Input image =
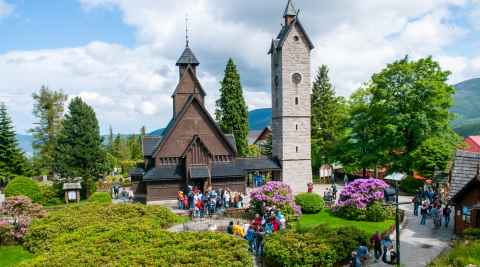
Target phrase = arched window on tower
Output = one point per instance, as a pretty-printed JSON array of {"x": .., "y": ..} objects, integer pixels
[
  {"x": 296, "y": 127},
  {"x": 296, "y": 149},
  {"x": 296, "y": 100}
]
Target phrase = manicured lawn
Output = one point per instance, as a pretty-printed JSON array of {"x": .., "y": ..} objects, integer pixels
[
  {"x": 13, "y": 255},
  {"x": 307, "y": 221}
]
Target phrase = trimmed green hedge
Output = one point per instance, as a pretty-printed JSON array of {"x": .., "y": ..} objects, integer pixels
[
  {"x": 95, "y": 234},
  {"x": 23, "y": 186},
  {"x": 320, "y": 246},
  {"x": 472, "y": 233},
  {"x": 310, "y": 202},
  {"x": 100, "y": 197}
]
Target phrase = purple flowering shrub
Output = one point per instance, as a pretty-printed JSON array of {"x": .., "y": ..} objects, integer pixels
[
  {"x": 16, "y": 214},
  {"x": 274, "y": 194},
  {"x": 358, "y": 196}
]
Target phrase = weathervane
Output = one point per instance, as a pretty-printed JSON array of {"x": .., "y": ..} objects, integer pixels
[{"x": 186, "y": 29}]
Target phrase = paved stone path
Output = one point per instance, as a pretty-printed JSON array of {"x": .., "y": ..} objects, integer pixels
[{"x": 419, "y": 244}]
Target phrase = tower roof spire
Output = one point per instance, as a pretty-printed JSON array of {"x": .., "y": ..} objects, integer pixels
[
  {"x": 187, "y": 57},
  {"x": 186, "y": 30},
  {"x": 290, "y": 9}
]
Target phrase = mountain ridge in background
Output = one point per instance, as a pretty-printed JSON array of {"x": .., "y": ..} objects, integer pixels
[{"x": 466, "y": 107}]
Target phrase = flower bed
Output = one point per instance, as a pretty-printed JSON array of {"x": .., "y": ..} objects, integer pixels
[
  {"x": 362, "y": 200},
  {"x": 274, "y": 194}
]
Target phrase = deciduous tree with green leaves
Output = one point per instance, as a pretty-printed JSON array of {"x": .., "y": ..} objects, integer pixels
[
  {"x": 48, "y": 108},
  {"x": 407, "y": 114},
  {"x": 12, "y": 159},
  {"x": 231, "y": 110},
  {"x": 329, "y": 115},
  {"x": 79, "y": 151}
]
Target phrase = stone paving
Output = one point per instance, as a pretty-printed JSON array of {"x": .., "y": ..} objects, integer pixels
[{"x": 419, "y": 244}]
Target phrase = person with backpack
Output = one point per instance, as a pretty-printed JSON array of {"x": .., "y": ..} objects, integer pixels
[{"x": 250, "y": 237}]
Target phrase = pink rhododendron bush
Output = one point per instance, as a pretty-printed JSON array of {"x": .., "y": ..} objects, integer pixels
[
  {"x": 16, "y": 214},
  {"x": 274, "y": 195},
  {"x": 362, "y": 199}
]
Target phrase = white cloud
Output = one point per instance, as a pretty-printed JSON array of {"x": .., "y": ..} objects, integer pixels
[
  {"x": 5, "y": 8},
  {"x": 131, "y": 87}
]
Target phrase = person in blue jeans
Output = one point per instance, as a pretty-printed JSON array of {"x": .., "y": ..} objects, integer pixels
[
  {"x": 424, "y": 213},
  {"x": 446, "y": 214}
]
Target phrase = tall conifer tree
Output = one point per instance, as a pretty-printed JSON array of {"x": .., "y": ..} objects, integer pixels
[
  {"x": 231, "y": 109},
  {"x": 79, "y": 150},
  {"x": 328, "y": 119},
  {"x": 48, "y": 108},
  {"x": 12, "y": 160}
]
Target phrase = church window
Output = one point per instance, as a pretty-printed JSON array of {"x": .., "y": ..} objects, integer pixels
[
  {"x": 296, "y": 149},
  {"x": 296, "y": 78},
  {"x": 296, "y": 127},
  {"x": 296, "y": 100},
  {"x": 296, "y": 38},
  {"x": 276, "y": 81}
]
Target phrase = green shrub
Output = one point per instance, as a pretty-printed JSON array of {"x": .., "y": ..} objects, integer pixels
[
  {"x": 49, "y": 195},
  {"x": 350, "y": 213},
  {"x": 23, "y": 186},
  {"x": 310, "y": 202},
  {"x": 295, "y": 249},
  {"x": 319, "y": 246},
  {"x": 100, "y": 197},
  {"x": 127, "y": 235},
  {"x": 343, "y": 240},
  {"x": 463, "y": 254},
  {"x": 376, "y": 212},
  {"x": 472, "y": 233},
  {"x": 410, "y": 185},
  {"x": 74, "y": 217}
]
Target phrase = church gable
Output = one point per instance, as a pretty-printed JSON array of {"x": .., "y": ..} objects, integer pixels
[
  {"x": 194, "y": 120},
  {"x": 197, "y": 153},
  {"x": 189, "y": 84}
]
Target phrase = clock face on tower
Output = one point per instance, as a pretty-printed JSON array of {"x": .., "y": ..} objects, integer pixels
[{"x": 296, "y": 78}]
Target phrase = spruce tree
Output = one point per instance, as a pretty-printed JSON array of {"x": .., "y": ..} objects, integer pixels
[
  {"x": 328, "y": 119},
  {"x": 110, "y": 140},
  {"x": 231, "y": 110},
  {"x": 48, "y": 108},
  {"x": 79, "y": 151},
  {"x": 12, "y": 159},
  {"x": 135, "y": 147}
]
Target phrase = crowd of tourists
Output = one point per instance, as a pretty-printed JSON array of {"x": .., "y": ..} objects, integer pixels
[
  {"x": 272, "y": 221},
  {"x": 209, "y": 202},
  {"x": 429, "y": 204},
  {"x": 382, "y": 249}
]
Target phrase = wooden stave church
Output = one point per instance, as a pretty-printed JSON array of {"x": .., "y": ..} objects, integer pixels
[{"x": 192, "y": 150}]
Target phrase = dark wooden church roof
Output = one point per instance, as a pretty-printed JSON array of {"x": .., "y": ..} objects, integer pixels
[
  {"x": 465, "y": 169},
  {"x": 187, "y": 58}
]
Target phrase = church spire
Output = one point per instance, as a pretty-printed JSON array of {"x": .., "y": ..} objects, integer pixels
[
  {"x": 290, "y": 13},
  {"x": 289, "y": 10}
]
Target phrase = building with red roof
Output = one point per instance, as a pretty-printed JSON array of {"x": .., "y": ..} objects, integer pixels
[{"x": 472, "y": 143}]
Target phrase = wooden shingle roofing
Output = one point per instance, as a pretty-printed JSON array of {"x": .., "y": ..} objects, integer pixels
[{"x": 465, "y": 170}]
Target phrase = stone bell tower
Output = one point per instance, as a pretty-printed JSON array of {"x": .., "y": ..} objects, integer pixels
[{"x": 291, "y": 92}]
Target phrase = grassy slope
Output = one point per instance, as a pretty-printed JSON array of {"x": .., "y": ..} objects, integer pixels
[
  {"x": 461, "y": 255},
  {"x": 13, "y": 255},
  {"x": 325, "y": 217}
]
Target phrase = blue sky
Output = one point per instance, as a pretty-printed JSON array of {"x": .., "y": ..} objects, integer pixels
[
  {"x": 119, "y": 55},
  {"x": 61, "y": 23}
]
